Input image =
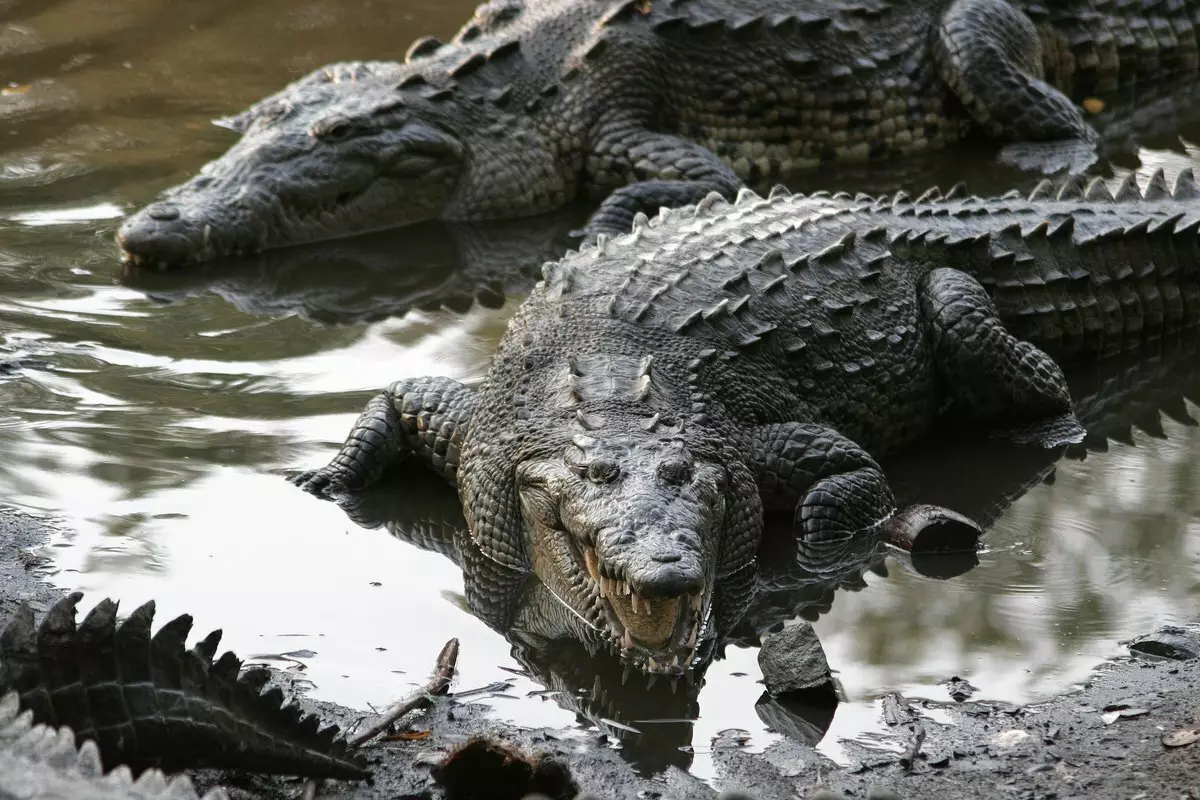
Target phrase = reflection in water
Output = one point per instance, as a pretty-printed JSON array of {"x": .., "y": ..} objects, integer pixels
[
  {"x": 653, "y": 718},
  {"x": 158, "y": 431},
  {"x": 372, "y": 277}
]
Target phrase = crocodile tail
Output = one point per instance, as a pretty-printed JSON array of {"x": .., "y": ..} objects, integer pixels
[
  {"x": 148, "y": 701},
  {"x": 39, "y": 761}
]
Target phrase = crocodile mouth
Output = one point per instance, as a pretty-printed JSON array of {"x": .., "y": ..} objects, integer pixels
[
  {"x": 659, "y": 635},
  {"x": 169, "y": 234}
]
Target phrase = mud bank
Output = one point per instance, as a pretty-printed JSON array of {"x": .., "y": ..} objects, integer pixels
[{"x": 1105, "y": 740}]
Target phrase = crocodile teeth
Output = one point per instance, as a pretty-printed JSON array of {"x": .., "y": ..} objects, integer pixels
[
  {"x": 592, "y": 563},
  {"x": 692, "y": 639},
  {"x": 697, "y": 602},
  {"x": 627, "y": 641},
  {"x": 633, "y": 600},
  {"x": 673, "y": 663}
]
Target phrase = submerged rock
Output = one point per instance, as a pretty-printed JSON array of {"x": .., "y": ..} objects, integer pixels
[{"x": 1169, "y": 641}]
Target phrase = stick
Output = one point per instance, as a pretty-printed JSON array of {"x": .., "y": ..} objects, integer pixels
[{"x": 439, "y": 682}]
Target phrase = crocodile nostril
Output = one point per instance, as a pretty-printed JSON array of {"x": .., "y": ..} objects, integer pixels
[
  {"x": 666, "y": 558},
  {"x": 163, "y": 213}
]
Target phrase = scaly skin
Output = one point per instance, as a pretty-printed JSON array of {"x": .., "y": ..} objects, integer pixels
[
  {"x": 646, "y": 104},
  {"x": 655, "y": 393},
  {"x": 147, "y": 702},
  {"x": 44, "y": 763},
  {"x": 793, "y": 579}
]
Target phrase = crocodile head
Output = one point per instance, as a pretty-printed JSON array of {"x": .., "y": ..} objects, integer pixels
[
  {"x": 626, "y": 530},
  {"x": 319, "y": 160}
]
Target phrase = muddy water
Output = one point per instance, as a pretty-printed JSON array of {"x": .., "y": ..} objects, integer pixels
[{"x": 155, "y": 420}]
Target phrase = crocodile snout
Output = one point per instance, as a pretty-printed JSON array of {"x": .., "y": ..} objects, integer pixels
[{"x": 160, "y": 235}]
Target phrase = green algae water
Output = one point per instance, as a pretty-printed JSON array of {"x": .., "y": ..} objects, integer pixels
[{"x": 153, "y": 418}]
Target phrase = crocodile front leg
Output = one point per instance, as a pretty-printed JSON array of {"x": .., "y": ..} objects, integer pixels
[
  {"x": 989, "y": 374},
  {"x": 668, "y": 171},
  {"x": 422, "y": 417},
  {"x": 988, "y": 52},
  {"x": 835, "y": 486}
]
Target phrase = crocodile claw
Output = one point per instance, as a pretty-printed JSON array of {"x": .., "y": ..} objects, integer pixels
[{"x": 319, "y": 482}]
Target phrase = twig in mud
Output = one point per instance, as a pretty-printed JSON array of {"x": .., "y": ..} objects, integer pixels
[
  {"x": 909, "y": 759},
  {"x": 439, "y": 682}
]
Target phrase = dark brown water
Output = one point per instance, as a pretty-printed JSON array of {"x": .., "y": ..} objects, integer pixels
[{"x": 165, "y": 411}]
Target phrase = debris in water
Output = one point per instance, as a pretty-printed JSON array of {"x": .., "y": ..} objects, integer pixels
[
  {"x": 1168, "y": 642},
  {"x": 959, "y": 688}
]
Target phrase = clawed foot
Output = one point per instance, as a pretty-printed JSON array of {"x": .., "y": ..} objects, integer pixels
[
  {"x": 1049, "y": 434},
  {"x": 323, "y": 483},
  {"x": 1073, "y": 156}
]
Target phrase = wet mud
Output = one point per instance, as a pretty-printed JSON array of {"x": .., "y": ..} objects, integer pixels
[{"x": 1129, "y": 731}]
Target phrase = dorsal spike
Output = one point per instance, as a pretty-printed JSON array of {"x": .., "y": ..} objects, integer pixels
[
  {"x": 640, "y": 221},
  {"x": 770, "y": 259},
  {"x": 1128, "y": 190},
  {"x": 1012, "y": 194},
  {"x": 1043, "y": 191},
  {"x": 1185, "y": 185},
  {"x": 746, "y": 195},
  {"x": 1072, "y": 188},
  {"x": 206, "y": 648},
  {"x": 957, "y": 192},
  {"x": 1157, "y": 189},
  {"x": 423, "y": 48},
  {"x": 601, "y": 245},
  {"x": 779, "y": 190},
  {"x": 900, "y": 198},
  {"x": 506, "y": 49},
  {"x": 99, "y": 626},
  {"x": 1065, "y": 227},
  {"x": 709, "y": 202},
  {"x": 1097, "y": 192},
  {"x": 584, "y": 421},
  {"x": 931, "y": 195}
]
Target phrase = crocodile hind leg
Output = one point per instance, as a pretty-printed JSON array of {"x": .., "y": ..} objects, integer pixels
[
  {"x": 668, "y": 171},
  {"x": 422, "y": 417},
  {"x": 837, "y": 491},
  {"x": 988, "y": 373},
  {"x": 988, "y": 52}
]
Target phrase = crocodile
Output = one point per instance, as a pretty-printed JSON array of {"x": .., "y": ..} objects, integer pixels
[
  {"x": 647, "y": 103},
  {"x": 657, "y": 392},
  {"x": 143, "y": 702}
]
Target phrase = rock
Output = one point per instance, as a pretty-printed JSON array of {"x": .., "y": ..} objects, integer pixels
[
  {"x": 880, "y": 793},
  {"x": 959, "y": 689},
  {"x": 801, "y": 716},
  {"x": 485, "y": 768},
  {"x": 1170, "y": 642},
  {"x": 793, "y": 660}
]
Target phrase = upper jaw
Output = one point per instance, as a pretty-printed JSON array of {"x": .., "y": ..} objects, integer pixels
[{"x": 660, "y": 635}]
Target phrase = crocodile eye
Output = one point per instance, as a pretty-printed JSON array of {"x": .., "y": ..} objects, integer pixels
[
  {"x": 602, "y": 470},
  {"x": 334, "y": 131},
  {"x": 675, "y": 470}
]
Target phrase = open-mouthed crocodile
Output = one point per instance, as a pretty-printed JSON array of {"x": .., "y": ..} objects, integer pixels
[
  {"x": 648, "y": 103},
  {"x": 655, "y": 393}
]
